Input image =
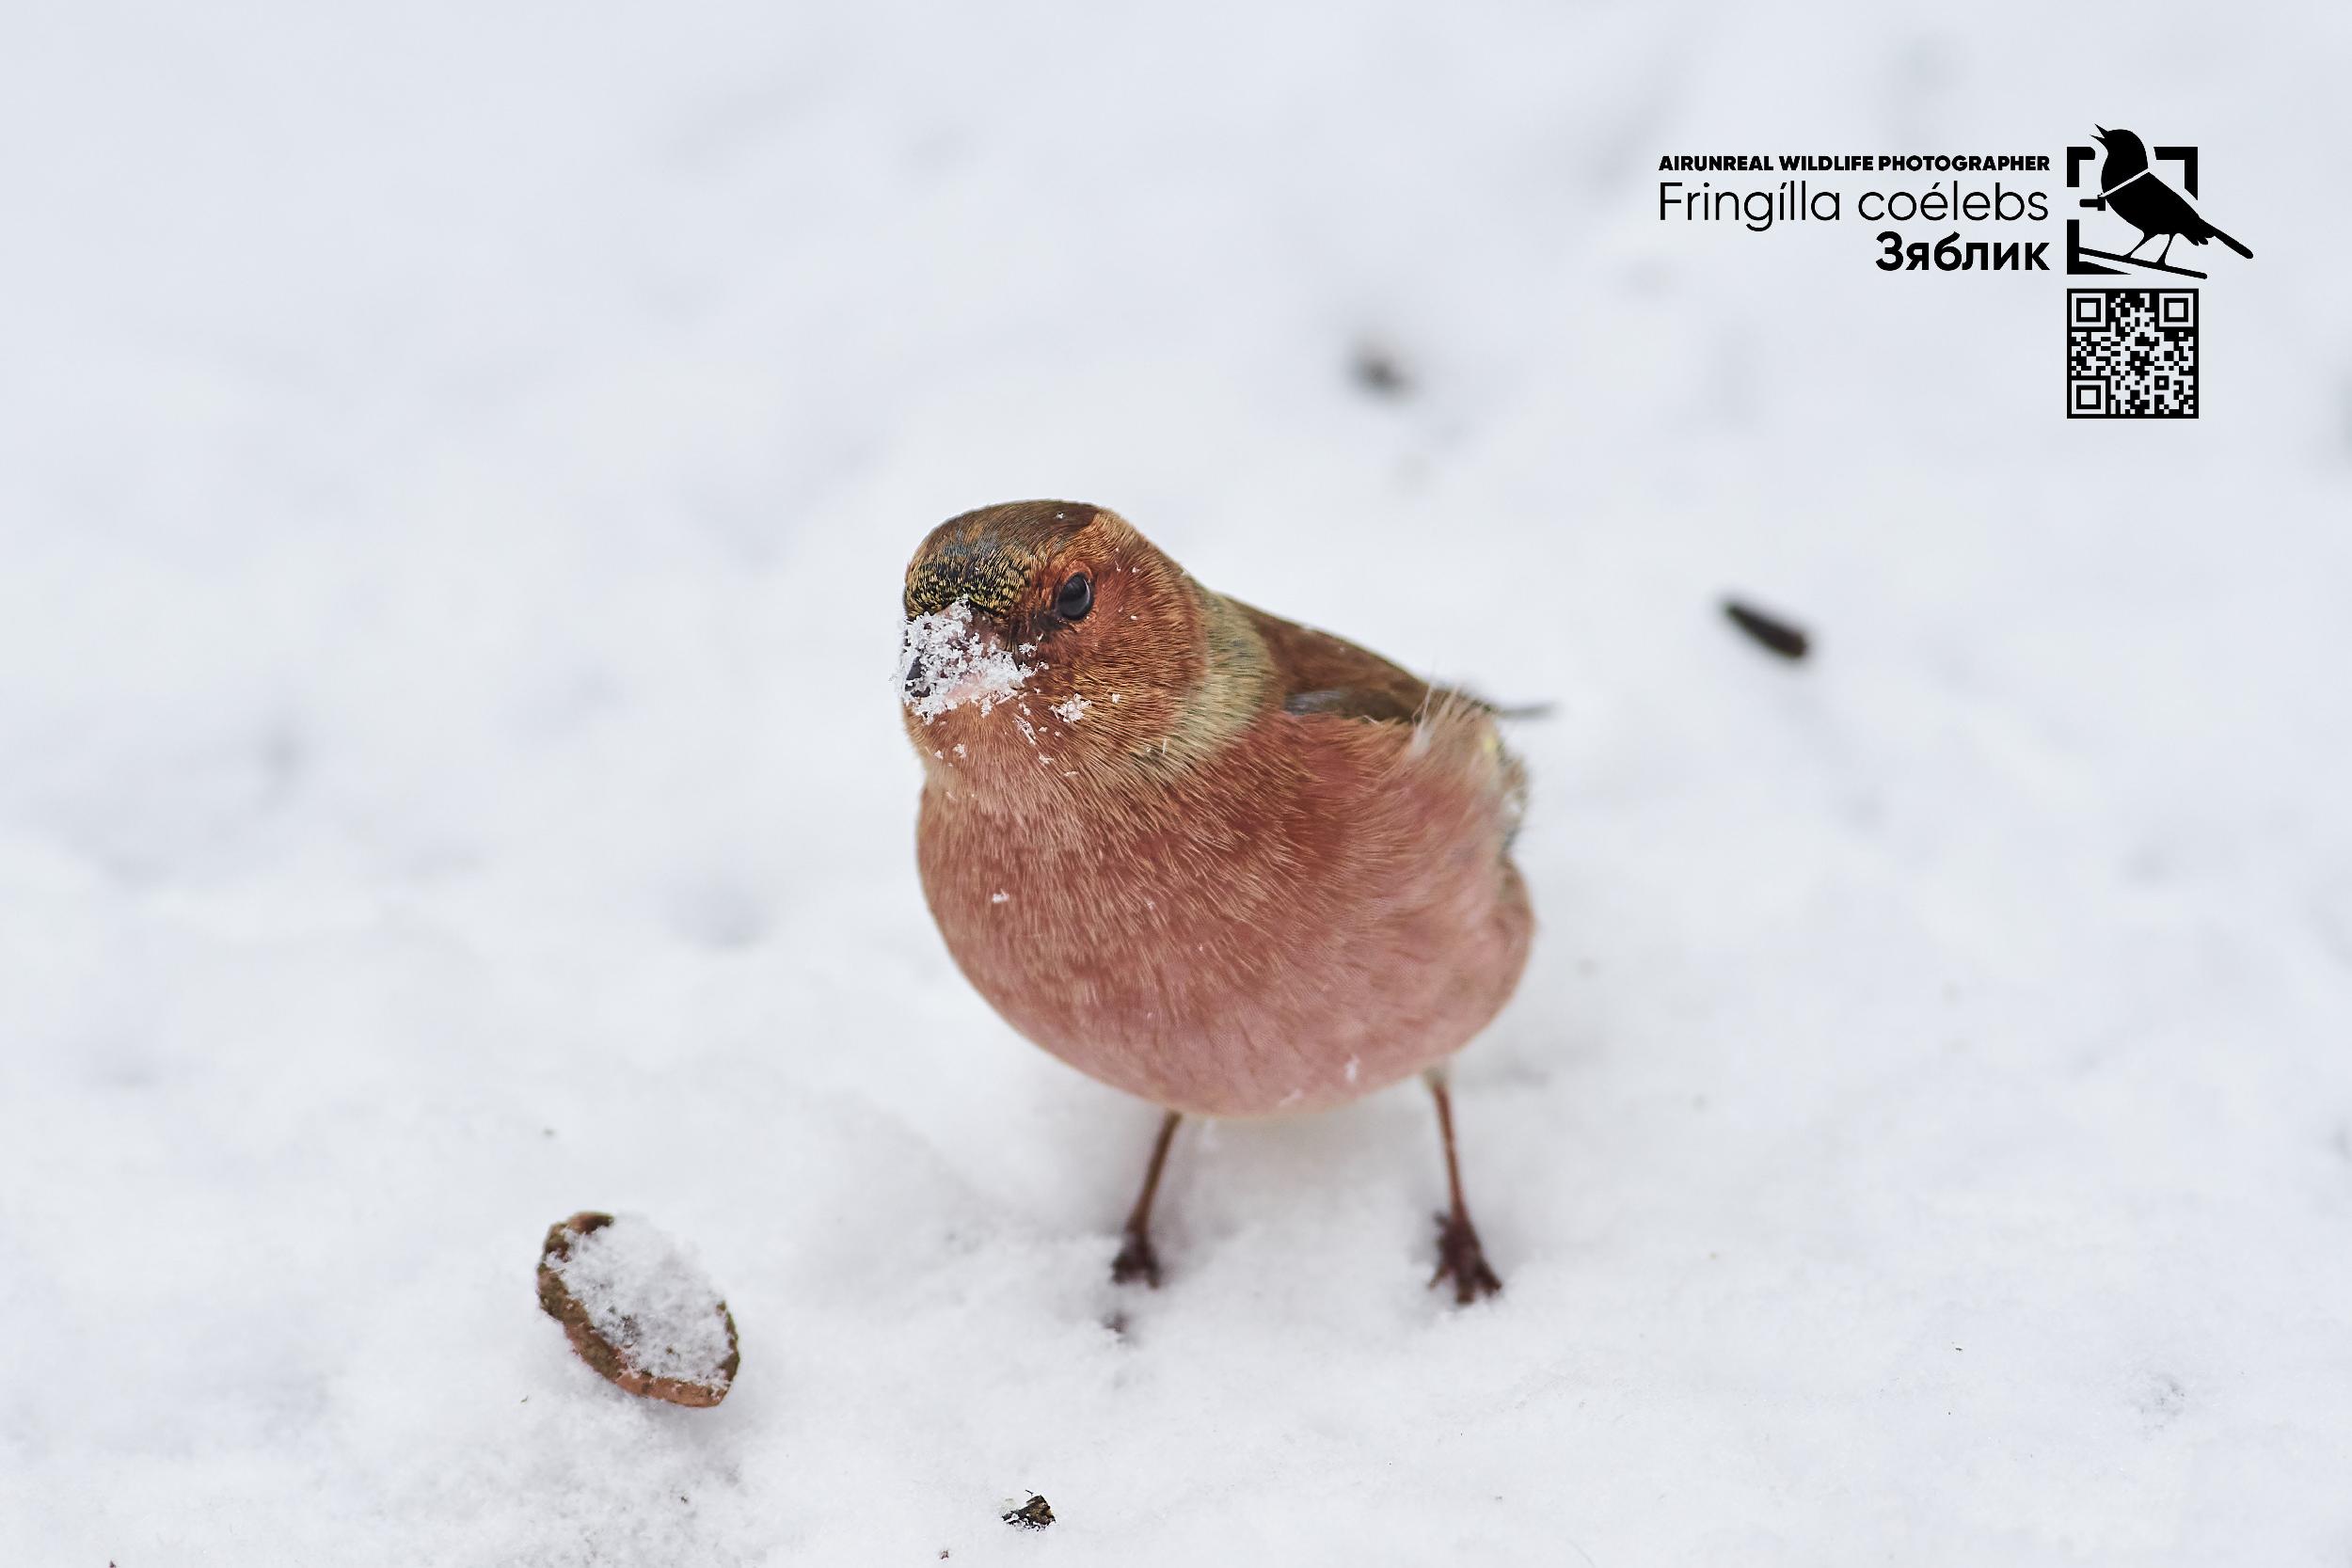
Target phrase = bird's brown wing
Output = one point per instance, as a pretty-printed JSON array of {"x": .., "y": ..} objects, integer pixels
[{"x": 1318, "y": 672}]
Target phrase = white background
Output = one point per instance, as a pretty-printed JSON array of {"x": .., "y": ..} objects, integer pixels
[{"x": 455, "y": 466}]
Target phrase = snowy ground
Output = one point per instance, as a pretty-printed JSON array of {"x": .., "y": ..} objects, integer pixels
[{"x": 456, "y": 464}]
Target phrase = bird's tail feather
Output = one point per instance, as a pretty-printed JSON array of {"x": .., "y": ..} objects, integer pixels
[{"x": 2232, "y": 244}]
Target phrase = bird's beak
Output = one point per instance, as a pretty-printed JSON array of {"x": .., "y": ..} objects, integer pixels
[
  {"x": 2099, "y": 134},
  {"x": 948, "y": 659}
]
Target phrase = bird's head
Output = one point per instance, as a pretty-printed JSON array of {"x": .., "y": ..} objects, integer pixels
[
  {"x": 1048, "y": 645},
  {"x": 2123, "y": 146}
]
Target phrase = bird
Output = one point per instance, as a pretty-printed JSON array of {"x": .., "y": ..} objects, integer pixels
[
  {"x": 1229, "y": 864},
  {"x": 2129, "y": 187}
]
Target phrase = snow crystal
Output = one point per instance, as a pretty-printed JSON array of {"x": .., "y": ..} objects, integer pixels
[
  {"x": 647, "y": 1299},
  {"x": 944, "y": 662},
  {"x": 1073, "y": 709}
]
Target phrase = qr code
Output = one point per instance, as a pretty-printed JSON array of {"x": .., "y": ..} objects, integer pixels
[{"x": 2131, "y": 353}]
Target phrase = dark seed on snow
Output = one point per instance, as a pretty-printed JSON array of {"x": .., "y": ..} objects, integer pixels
[
  {"x": 1376, "y": 370},
  {"x": 1788, "y": 641}
]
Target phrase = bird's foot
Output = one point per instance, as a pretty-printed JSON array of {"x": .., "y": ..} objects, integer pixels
[
  {"x": 1136, "y": 1259},
  {"x": 1461, "y": 1260}
]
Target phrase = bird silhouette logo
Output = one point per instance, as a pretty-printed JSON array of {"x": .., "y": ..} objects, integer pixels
[{"x": 2131, "y": 189}]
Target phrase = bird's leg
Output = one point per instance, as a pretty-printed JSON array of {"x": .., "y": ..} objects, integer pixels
[
  {"x": 1136, "y": 1259},
  {"x": 1459, "y": 1255},
  {"x": 2135, "y": 244},
  {"x": 2168, "y": 248}
]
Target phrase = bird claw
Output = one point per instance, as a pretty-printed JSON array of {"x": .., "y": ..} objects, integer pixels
[
  {"x": 1136, "y": 1261},
  {"x": 1461, "y": 1260}
]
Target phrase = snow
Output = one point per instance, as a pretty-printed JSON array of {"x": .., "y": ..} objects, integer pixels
[
  {"x": 456, "y": 469},
  {"x": 645, "y": 1296},
  {"x": 943, "y": 664}
]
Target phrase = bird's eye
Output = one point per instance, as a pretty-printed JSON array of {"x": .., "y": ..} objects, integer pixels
[{"x": 1075, "y": 599}]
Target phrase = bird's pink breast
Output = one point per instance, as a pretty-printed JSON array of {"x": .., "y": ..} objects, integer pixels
[{"x": 1322, "y": 911}]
